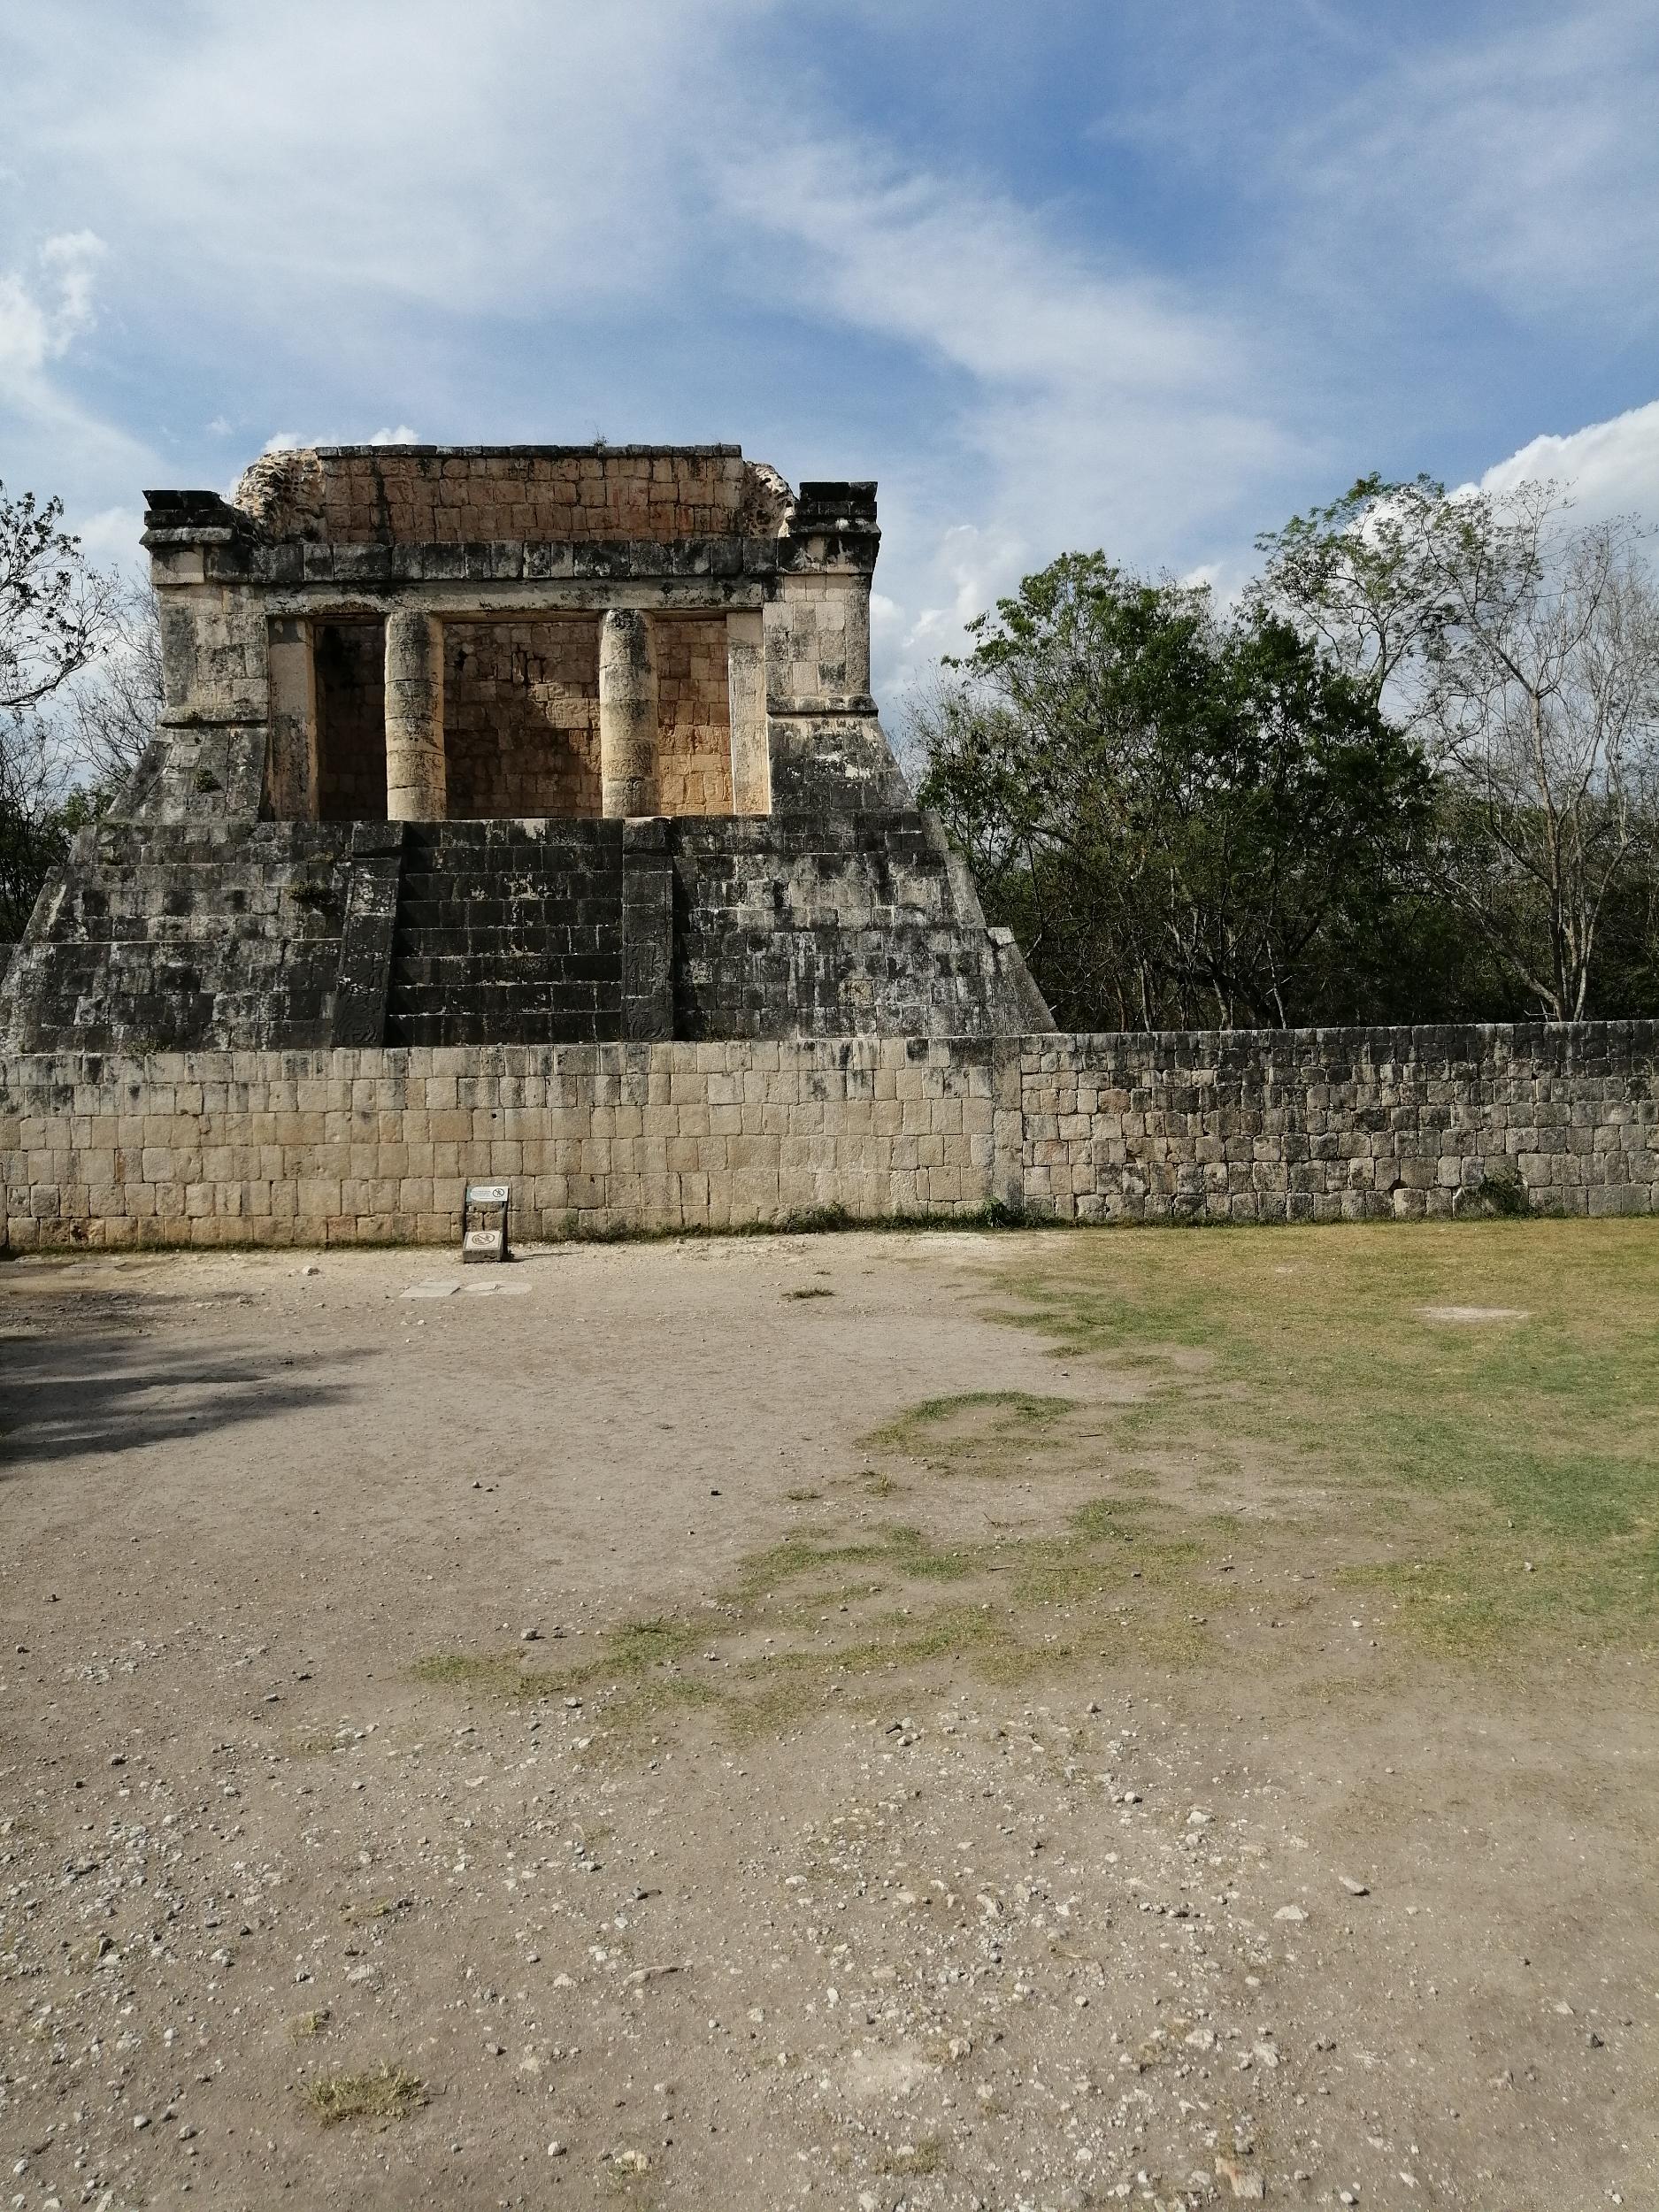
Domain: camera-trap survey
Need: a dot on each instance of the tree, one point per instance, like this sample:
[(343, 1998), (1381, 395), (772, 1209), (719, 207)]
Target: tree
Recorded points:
[(55, 608), (35, 827), (1360, 576), (1524, 651), (57, 615), (113, 705), (1184, 818)]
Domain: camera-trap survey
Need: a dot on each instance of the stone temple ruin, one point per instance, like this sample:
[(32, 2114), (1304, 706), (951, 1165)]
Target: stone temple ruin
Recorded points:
[(530, 745), (520, 816)]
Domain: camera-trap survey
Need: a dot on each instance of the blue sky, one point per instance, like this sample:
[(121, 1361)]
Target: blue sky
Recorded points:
[(1058, 273)]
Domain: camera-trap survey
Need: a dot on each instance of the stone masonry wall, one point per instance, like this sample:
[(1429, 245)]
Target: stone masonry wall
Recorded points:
[(375, 1145), (1322, 1125), (694, 743), (426, 495), (521, 720)]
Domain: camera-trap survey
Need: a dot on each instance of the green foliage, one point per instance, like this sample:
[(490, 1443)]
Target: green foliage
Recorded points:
[(1523, 648), (1415, 776), (32, 843), (1187, 821)]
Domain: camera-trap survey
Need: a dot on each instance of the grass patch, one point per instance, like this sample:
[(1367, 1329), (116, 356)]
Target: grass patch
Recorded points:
[(988, 1424), (909, 2161), (1480, 1446), (387, 2093), (838, 1609), (1492, 1485)]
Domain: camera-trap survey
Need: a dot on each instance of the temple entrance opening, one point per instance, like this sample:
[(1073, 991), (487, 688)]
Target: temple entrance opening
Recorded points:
[(349, 663)]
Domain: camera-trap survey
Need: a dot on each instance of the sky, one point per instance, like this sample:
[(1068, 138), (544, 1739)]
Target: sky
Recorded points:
[(1060, 274)]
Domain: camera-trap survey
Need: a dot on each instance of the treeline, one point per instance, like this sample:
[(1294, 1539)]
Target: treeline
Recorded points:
[(1413, 775), (79, 690)]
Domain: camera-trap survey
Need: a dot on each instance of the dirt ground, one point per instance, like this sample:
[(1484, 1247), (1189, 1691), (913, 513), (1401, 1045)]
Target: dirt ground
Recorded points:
[(736, 1723)]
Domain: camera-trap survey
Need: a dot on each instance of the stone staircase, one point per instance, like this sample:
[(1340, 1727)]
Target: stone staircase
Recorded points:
[(507, 933)]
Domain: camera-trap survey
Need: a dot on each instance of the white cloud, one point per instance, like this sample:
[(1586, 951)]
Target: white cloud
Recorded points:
[(109, 537), (1524, 163), (42, 314), (1612, 467), (295, 441), (475, 231), (541, 155), (46, 304), (1093, 403)]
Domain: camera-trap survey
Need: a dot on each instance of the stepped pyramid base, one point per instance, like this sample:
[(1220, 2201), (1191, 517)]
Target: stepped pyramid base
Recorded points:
[(260, 935)]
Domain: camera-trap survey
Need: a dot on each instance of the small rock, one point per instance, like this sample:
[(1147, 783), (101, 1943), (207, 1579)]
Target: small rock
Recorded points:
[(555, 2150), (1244, 2181), (1354, 1888), (1290, 1912), (311, 1271), (530, 1636)]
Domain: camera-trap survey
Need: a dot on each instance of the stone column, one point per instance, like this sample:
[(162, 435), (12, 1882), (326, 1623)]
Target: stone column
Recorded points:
[(746, 704), (627, 715), (414, 719), (857, 630), (290, 773)]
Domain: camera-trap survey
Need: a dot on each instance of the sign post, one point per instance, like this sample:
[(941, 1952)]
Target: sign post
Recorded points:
[(485, 1242)]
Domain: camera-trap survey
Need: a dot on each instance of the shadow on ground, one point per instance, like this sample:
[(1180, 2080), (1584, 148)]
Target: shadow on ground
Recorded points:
[(105, 1391)]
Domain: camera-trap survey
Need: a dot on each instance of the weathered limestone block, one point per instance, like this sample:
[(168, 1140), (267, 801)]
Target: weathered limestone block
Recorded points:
[(414, 719)]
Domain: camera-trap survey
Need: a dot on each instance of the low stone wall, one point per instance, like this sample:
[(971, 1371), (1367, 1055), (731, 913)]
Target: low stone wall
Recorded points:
[(352, 1146), (1325, 1125)]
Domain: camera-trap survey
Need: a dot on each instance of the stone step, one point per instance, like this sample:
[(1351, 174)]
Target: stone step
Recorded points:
[(454, 971), (519, 852), (558, 899), (483, 940), (451, 892)]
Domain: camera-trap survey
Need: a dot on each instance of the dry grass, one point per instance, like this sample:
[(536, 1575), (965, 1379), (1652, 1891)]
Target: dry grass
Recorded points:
[(1512, 1466), (387, 2093), (1262, 1398)]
